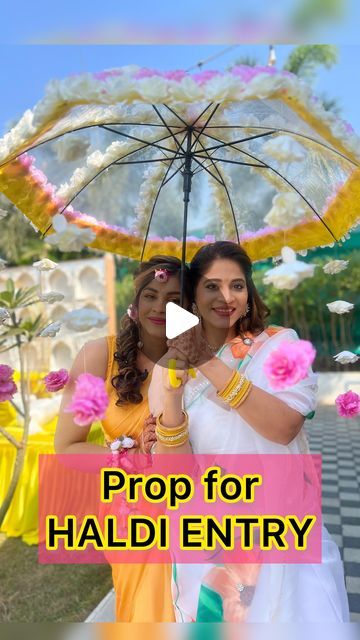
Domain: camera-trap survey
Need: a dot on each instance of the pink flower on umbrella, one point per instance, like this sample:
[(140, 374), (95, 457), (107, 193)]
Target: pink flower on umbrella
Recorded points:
[(289, 364), (348, 404), (56, 380), (7, 384), (90, 400)]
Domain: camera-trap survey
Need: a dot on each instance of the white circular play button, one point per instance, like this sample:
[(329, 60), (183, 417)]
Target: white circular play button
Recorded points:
[(178, 320)]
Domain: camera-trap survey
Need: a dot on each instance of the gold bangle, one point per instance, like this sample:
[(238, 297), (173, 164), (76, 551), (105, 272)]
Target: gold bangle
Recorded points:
[(174, 436), (242, 395), (230, 383), (235, 390), (172, 430), (174, 441)]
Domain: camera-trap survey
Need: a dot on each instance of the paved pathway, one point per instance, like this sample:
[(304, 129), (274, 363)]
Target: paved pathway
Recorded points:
[(338, 440)]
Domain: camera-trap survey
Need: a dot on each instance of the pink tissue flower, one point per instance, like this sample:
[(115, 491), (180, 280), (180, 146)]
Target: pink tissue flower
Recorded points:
[(90, 400), (7, 384), (348, 404), (56, 380), (289, 364)]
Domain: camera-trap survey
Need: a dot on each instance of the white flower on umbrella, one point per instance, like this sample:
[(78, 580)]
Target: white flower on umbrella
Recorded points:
[(154, 89), (335, 266), (340, 306), (3, 264), (18, 134), (45, 265), (222, 204), (153, 177), (69, 237), (51, 330), (4, 314), (3, 214), (290, 273), (51, 297), (346, 357), (221, 88), (186, 91), (287, 209), (71, 148), (84, 319), (98, 160), (284, 149)]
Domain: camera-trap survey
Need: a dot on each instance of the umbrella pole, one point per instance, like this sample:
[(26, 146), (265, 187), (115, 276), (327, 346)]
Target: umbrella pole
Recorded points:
[(187, 178)]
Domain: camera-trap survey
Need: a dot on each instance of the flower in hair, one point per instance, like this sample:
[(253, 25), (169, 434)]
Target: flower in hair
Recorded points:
[(162, 275), (132, 312)]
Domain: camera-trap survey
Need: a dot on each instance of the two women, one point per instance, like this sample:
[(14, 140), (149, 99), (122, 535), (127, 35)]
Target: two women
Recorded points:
[(228, 407)]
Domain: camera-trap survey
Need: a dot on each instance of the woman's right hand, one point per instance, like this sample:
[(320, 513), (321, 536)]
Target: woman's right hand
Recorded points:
[(175, 373)]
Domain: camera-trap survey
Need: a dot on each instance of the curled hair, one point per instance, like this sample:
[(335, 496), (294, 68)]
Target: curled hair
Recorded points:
[(254, 321), (129, 378)]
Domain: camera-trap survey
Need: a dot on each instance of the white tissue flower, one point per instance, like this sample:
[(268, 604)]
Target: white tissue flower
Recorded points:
[(335, 266), (45, 265), (51, 330), (290, 273), (340, 306), (51, 297), (84, 319), (4, 314), (346, 357)]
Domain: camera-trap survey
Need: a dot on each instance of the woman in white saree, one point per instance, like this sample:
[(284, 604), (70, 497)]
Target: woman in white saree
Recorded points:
[(233, 336)]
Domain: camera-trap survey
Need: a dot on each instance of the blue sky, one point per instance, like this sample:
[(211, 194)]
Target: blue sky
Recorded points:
[(40, 19), (25, 69)]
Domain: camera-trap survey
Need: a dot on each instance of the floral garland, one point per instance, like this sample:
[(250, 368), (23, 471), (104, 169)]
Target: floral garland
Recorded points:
[(131, 84)]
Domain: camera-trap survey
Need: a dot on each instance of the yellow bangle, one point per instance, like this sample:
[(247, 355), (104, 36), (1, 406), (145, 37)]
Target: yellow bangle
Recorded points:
[(172, 430), (174, 441), (241, 396), (229, 385)]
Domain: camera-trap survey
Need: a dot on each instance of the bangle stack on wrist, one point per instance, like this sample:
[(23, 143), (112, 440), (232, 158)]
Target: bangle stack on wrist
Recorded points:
[(172, 436), (236, 390)]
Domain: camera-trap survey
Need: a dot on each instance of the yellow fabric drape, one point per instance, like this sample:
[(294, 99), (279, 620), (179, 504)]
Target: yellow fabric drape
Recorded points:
[(22, 517)]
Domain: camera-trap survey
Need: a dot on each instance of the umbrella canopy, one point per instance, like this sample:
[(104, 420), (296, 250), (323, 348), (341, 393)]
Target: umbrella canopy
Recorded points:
[(155, 162)]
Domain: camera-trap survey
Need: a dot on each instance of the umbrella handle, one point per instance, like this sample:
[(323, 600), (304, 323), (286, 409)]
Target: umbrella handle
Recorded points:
[(174, 380)]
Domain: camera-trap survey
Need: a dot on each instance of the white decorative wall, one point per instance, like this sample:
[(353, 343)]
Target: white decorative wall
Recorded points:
[(84, 283)]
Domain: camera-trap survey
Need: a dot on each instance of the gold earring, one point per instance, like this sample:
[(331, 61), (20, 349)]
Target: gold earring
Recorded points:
[(243, 315)]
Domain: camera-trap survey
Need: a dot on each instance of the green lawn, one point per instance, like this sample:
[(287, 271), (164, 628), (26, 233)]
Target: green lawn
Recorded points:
[(32, 592)]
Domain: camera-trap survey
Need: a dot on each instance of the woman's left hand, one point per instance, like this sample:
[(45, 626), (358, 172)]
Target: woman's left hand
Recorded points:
[(148, 436)]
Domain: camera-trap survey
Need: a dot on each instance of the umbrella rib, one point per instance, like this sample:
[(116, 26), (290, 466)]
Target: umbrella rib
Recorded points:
[(60, 135), (226, 189), (268, 166), (243, 164), (94, 178), (229, 144), (198, 134), (173, 174), (177, 115), (220, 180), (151, 144), (202, 113), (118, 162), (293, 133), (178, 145), (154, 203)]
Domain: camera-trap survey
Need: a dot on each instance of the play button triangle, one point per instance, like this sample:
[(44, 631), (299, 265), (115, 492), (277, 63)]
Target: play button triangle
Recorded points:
[(178, 320)]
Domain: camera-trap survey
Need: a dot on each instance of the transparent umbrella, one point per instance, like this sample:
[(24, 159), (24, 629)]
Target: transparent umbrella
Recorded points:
[(163, 162)]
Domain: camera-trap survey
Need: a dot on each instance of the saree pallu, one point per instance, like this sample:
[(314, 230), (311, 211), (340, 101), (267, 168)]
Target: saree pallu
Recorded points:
[(281, 592)]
